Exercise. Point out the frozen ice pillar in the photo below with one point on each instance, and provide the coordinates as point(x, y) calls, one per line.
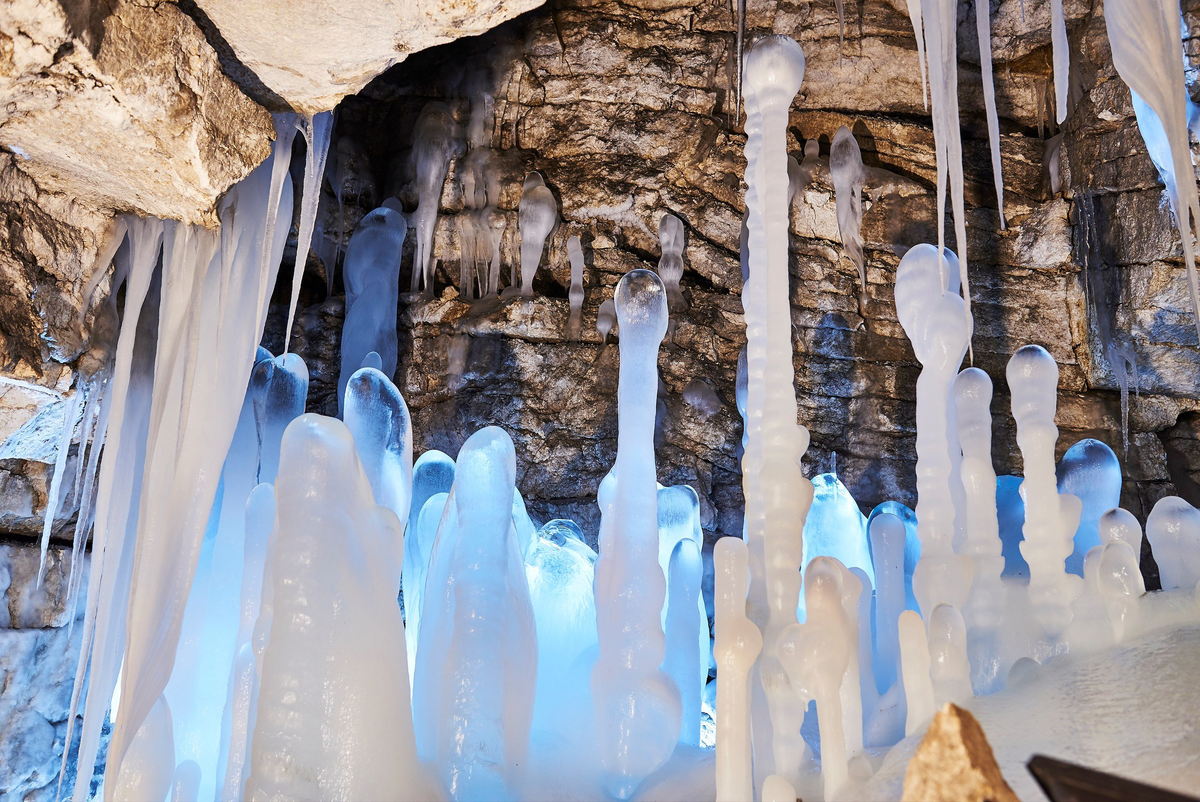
point(378, 418)
point(333, 715)
point(735, 648)
point(1089, 470)
point(1173, 529)
point(638, 712)
point(538, 214)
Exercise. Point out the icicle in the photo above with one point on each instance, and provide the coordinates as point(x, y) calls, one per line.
point(54, 495)
point(1062, 57)
point(846, 166)
point(914, 16)
point(317, 130)
point(983, 26)
point(538, 217)
point(435, 142)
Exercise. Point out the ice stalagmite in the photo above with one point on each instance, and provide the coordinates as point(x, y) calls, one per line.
point(478, 683)
point(280, 390)
point(377, 417)
point(606, 319)
point(1173, 529)
point(317, 131)
point(432, 474)
point(372, 277)
point(736, 646)
point(932, 317)
point(777, 493)
point(835, 527)
point(846, 166)
point(914, 659)
point(575, 254)
point(1091, 472)
point(1049, 534)
point(637, 706)
point(1119, 524)
point(983, 27)
point(333, 716)
point(538, 216)
point(670, 264)
point(949, 670)
point(682, 661)
point(887, 552)
point(1148, 53)
point(151, 759)
point(436, 140)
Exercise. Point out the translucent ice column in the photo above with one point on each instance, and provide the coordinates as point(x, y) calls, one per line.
point(887, 552)
point(1052, 518)
point(670, 263)
point(333, 715)
point(372, 276)
point(682, 661)
point(477, 661)
point(1091, 472)
point(737, 643)
point(1119, 524)
point(1173, 529)
point(432, 474)
point(933, 317)
point(637, 705)
point(538, 214)
point(777, 493)
point(377, 417)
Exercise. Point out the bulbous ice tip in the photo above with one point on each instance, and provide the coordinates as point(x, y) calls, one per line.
point(973, 387)
point(318, 446)
point(1032, 376)
point(534, 179)
point(774, 70)
point(822, 583)
point(1120, 524)
point(641, 301)
point(888, 527)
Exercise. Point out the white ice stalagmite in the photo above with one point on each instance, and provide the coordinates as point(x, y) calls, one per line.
point(949, 669)
point(846, 167)
point(1119, 524)
point(856, 586)
point(1147, 51)
point(606, 319)
point(150, 762)
point(983, 27)
point(914, 660)
point(378, 418)
point(670, 263)
point(817, 655)
point(1091, 472)
point(1049, 534)
point(372, 276)
point(736, 646)
point(887, 553)
point(933, 318)
point(575, 254)
point(333, 716)
point(1121, 586)
point(317, 130)
point(476, 685)
point(436, 140)
point(683, 655)
point(1173, 529)
point(538, 215)
point(432, 475)
point(777, 493)
point(185, 785)
point(637, 706)
point(279, 389)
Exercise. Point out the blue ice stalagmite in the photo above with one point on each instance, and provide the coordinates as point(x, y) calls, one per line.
point(377, 417)
point(477, 660)
point(432, 476)
point(185, 784)
point(912, 543)
point(538, 213)
point(887, 552)
point(683, 658)
point(279, 388)
point(1173, 529)
point(835, 527)
point(637, 706)
point(372, 276)
point(333, 715)
point(1090, 471)
point(436, 140)
point(846, 167)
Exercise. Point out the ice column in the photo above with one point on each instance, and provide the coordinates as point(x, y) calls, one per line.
point(914, 657)
point(538, 214)
point(736, 647)
point(1091, 472)
point(777, 493)
point(377, 417)
point(432, 474)
point(1173, 529)
point(1050, 526)
point(637, 705)
point(887, 552)
point(372, 276)
point(670, 264)
point(846, 166)
point(682, 661)
point(575, 254)
point(933, 318)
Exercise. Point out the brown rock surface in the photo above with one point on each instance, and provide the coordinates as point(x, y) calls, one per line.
point(954, 763)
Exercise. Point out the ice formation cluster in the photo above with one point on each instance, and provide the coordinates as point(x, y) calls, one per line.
point(242, 626)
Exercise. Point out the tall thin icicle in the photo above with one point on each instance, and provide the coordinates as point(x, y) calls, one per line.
point(317, 130)
point(54, 496)
point(1062, 58)
point(914, 16)
point(983, 26)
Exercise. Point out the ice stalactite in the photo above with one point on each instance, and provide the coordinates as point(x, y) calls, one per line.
point(1173, 529)
point(575, 254)
point(151, 760)
point(479, 248)
point(1062, 58)
point(940, 18)
point(736, 647)
point(810, 165)
point(436, 141)
point(432, 474)
point(372, 277)
point(1049, 535)
point(777, 493)
point(538, 216)
point(317, 130)
point(1147, 51)
point(637, 706)
point(606, 320)
point(914, 16)
point(932, 316)
point(472, 719)
point(378, 418)
point(846, 166)
point(1090, 471)
point(983, 27)
point(333, 714)
point(54, 495)
point(670, 263)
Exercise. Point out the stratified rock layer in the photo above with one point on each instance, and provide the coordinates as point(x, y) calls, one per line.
point(954, 763)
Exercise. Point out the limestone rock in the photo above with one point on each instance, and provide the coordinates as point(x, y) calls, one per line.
point(309, 54)
point(954, 763)
point(127, 109)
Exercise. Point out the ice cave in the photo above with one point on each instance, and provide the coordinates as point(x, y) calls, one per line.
point(682, 400)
